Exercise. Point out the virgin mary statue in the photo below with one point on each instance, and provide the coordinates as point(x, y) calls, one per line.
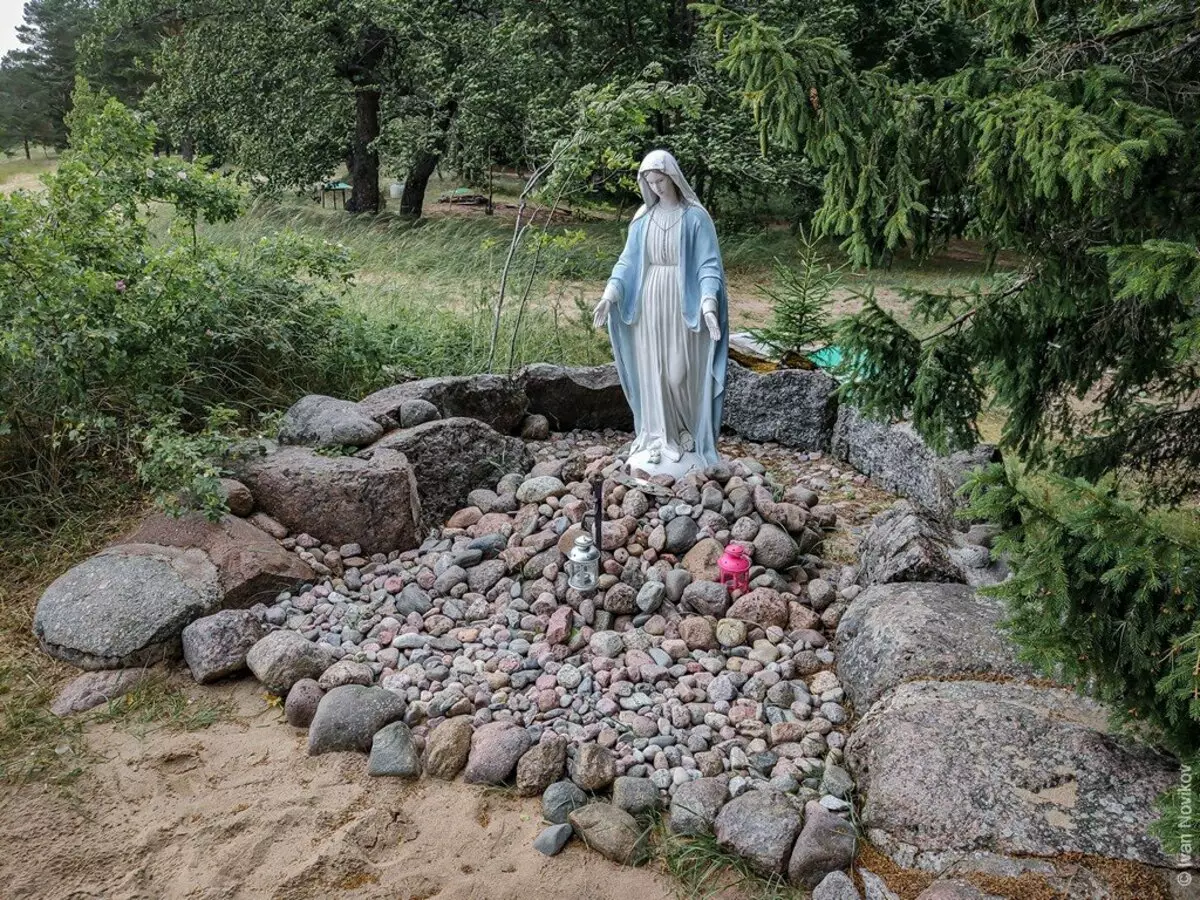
point(667, 314)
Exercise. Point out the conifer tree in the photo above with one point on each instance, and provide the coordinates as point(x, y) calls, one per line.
point(1069, 136)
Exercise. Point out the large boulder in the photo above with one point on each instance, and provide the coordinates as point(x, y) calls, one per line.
point(898, 460)
point(318, 421)
point(695, 804)
point(905, 543)
point(611, 832)
point(896, 632)
point(348, 717)
point(451, 458)
point(826, 844)
point(338, 499)
point(962, 772)
point(795, 407)
point(577, 397)
point(447, 747)
point(761, 827)
point(494, 399)
point(126, 606)
point(216, 646)
point(251, 566)
point(284, 657)
point(495, 750)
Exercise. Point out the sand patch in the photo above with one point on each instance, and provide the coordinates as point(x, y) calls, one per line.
point(240, 810)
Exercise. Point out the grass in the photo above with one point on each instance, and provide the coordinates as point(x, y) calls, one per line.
point(704, 869)
point(18, 172)
point(161, 702)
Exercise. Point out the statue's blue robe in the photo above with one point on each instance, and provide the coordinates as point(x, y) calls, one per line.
point(700, 275)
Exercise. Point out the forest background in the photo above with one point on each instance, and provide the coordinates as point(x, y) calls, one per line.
point(992, 208)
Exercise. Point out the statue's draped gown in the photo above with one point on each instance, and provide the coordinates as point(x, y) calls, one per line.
point(672, 359)
point(671, 370)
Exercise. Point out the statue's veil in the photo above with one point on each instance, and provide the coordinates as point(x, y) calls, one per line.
point(662, 161)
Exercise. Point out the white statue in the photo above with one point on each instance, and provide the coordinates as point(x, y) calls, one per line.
point(667, 314)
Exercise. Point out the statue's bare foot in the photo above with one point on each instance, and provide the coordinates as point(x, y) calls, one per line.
point(654, 458)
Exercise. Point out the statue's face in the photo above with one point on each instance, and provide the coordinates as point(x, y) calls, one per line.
point(662, 185)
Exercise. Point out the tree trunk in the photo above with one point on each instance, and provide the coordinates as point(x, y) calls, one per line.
point(413, 199)
point(364, 162)
point(27, 156)
point(187, 148)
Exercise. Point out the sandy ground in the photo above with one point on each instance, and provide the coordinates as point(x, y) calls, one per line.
point(240, 810)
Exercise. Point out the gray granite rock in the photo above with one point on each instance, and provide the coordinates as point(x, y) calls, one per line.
point(907, 544)
point(896, 632)
point(593, 767)
point(949, 767)
point(898, 460)
point(826, 844)
point(339, 499)
point(836, 886)
point(317, 421)
point(953, 889)
point(874, 887)
point(706, 598)
point(126, 607)
point(450, 458)
point(495, 750)
point(349, 716)
point(282, 658)
point(795, 407)
point(498, 401)
point(346, 671)
point(761, 827)
point(611, 832)
point(695, 805)
point(553, 839)
point(682, 532)
point(774, 548)
point(636, 795)
point(538, 488)
point(560, 799)
point(415, 412)
point(393, 753)
point(216, 646)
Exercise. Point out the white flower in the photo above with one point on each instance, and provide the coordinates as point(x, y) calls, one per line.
point(149, 173)
point(181, 175)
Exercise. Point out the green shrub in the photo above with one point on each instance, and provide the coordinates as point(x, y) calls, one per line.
point(1105, 593)
point(109, 332)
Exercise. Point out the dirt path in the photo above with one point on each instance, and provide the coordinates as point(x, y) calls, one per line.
point(240, 810)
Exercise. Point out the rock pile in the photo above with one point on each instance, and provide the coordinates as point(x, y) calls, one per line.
point(662, 686)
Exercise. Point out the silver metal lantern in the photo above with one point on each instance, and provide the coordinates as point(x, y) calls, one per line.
point(583, 564)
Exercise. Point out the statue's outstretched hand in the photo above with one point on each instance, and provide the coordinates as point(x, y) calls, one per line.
point(714, 327)
point(600, 319)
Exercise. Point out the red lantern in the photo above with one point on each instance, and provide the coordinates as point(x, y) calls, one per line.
point(735, 568)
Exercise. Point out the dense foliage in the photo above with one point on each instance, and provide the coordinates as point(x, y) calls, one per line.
point(1070, 133)
point(111, 334)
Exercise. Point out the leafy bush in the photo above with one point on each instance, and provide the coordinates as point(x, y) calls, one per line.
point(109, 332)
